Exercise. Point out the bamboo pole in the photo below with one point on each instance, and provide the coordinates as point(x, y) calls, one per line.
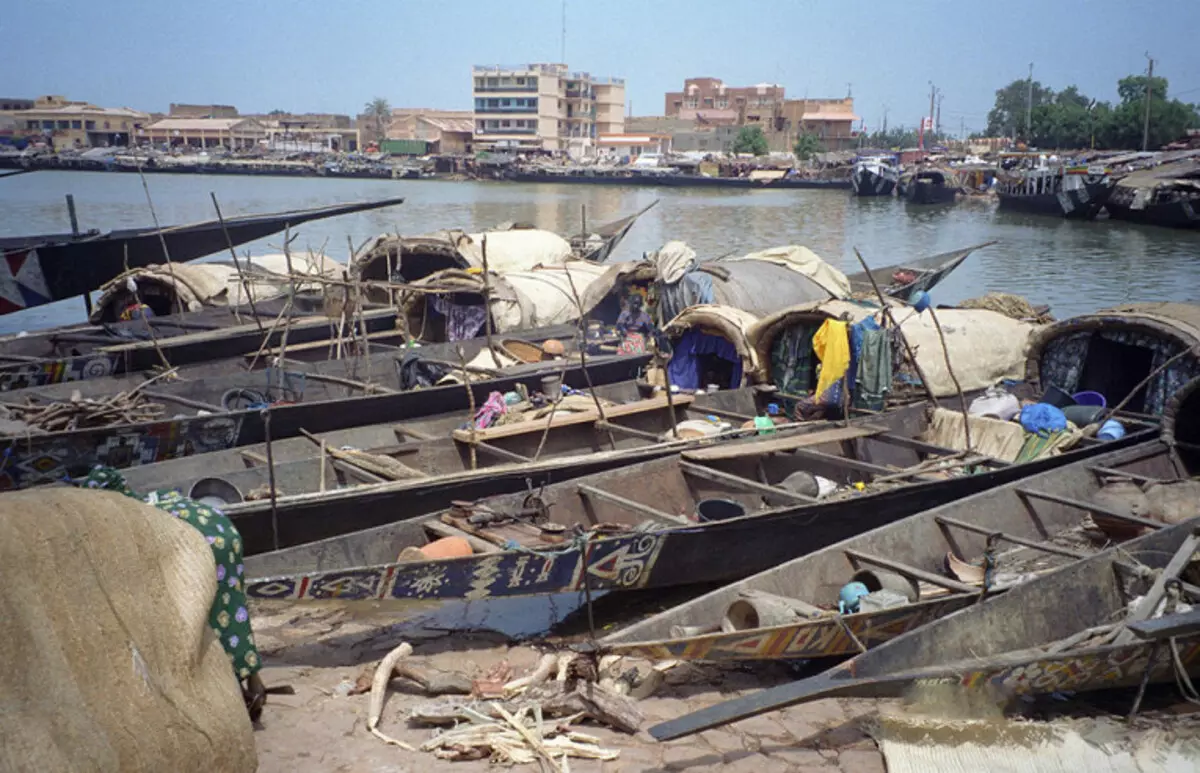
point(236, 263)
point(962, 400)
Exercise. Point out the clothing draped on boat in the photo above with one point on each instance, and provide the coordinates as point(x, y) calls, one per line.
point(685, 366)
point(832, 346)
point(229, 616)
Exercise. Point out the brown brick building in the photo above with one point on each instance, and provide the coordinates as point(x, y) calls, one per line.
point(710, 101)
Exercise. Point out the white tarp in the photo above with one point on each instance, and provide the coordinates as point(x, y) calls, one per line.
point(543, 296)
point(515, 250)
point(804, 261)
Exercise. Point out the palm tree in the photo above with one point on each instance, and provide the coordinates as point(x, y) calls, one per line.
point(380, 111)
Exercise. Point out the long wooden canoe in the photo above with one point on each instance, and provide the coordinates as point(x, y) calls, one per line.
point(1091, 625)
point(1041, 522)
point(633, 504)
point(46, 268)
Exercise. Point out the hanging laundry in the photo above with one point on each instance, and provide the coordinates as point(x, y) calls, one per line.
point(874, 370)
point(832, 346)
point(462, 321)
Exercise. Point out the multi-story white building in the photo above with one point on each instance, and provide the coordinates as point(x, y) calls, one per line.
point(544, 107)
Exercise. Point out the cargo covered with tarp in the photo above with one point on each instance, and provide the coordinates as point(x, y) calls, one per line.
point(817, 350)
point(110, 663)
point(709, 346)
point(759, 283)
point(409, 258)
point(449, 305)
point(1145, 352)
point(160, 289)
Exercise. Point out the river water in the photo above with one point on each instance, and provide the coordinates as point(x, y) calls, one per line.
point(1075, 267)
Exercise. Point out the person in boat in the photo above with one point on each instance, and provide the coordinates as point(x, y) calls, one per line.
point(634, 325)
point(229, 616)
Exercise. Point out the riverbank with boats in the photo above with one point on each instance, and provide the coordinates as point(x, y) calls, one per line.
point(649, 466)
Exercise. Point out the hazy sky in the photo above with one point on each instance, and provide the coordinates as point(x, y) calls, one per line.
point(333, 56)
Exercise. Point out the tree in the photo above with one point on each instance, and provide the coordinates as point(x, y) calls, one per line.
point(277, 112)
point(807, 145)
point(1007, 116)
point(379, 112)
point(895, 138)
point(750, 139)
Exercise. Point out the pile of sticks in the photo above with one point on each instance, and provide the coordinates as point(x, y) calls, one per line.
point(84, 413)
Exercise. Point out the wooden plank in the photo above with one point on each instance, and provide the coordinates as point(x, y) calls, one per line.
point(788, 443)
point(375, 338)
point(856, 465)
point(737, 481)
point(621, 429)
point(653, 513)
point(446, 530)
point(1087, 506)
point(566, 419)
point(913, 444)
point(910, 571)
point(1102, 471)
point(503, 453)
point(1181, 624)
point(1045, 547)
point(1145, 608)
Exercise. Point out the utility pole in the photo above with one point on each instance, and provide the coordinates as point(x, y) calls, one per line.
point(938, 124)
point(1029, 109)
point(921, 133)
point(885, 112)
point(1149, 83)
point(962, 132)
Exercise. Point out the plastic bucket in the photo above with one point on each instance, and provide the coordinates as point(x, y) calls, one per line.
point(1090, 398)
point(1082, 415)
point(718, 510)
point(215, 492)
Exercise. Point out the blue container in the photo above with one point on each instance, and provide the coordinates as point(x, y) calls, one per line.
point(1090, 398)
point(718, 510)
point(1111, 430)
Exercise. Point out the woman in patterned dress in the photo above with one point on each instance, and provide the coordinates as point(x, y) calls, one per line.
point(229, 617)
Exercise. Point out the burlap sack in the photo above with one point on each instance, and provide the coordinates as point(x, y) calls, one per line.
point(107, 662)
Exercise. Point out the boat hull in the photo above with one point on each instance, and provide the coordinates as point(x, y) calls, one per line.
point(1175, 214)
point(921, 193)
point(867, 182)
point(1084, 203)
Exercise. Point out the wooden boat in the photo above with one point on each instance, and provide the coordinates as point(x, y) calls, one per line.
point(1166, 195)
point(46, 268)
point(1039, 523)
point(412, 258)
point(1181, 426)
point(1084, 627)
point(874, 176)
point(929, 186)
point(47, 457)
point(633, 503)
point(903, 279)
point(1076, 193)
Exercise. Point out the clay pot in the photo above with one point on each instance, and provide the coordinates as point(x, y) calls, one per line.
point(1122, 496)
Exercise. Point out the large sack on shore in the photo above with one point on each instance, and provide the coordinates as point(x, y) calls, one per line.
point(108, 662)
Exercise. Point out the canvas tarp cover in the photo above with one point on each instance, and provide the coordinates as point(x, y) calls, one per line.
point(513, 249)
point(109, 662)
point(726, 322)
point(984, 347)
point(803, 261)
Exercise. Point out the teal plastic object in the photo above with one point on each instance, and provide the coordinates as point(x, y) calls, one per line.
point(849, 595)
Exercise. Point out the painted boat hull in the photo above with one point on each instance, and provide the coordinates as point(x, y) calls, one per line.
point(1080, 204)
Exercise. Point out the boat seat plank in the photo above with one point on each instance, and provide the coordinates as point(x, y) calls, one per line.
point(569, 419)
point(621, 429)
point(1149, 603)
point(439, 529)
point(1032, 544)
point(737, 481)
point(503, 453)
point(788, 443)
point(910, 571)
point(1181, 624)
point(1087, 507)
point(653, 513)
point(1102, 471)
point(521, 533)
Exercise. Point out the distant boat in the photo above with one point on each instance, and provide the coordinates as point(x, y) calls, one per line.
point(929, 186)
point(52, 267)
point(874, 176)
point(1166, 195)
point(1076, 193)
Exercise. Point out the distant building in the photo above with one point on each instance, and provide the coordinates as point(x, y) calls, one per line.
point(831, 120)
point(308, 131)
point(202, 111)
point(710, 101)
point(9, 104)
point(205, 132)
point(544, 107)
point(633, 145)
point(66, 124)
point(442, 131)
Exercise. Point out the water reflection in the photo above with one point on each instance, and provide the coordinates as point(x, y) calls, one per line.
point(1074, 267)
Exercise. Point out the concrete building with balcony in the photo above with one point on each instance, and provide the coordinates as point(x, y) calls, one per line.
point(709, 101)
point(544, 108)
point(66, 124)
point(442, 131)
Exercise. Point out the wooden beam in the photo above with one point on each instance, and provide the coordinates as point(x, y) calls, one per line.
point(1086, 506)
point(621, 429)
point(503, 453)
point(737, 481)
point(856, 465)
point(1102, 471)
point(786, 443)
point(1047, 548)
point(1149, 603)
point(403, 431)
point(566, 419)
point(357, 472)
point(1181, 624)
point(913, 444)
point(857, 557)
point(653, 513)
point(440, 529)
point(185, 401)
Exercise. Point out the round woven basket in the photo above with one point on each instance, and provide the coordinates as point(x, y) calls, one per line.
point(522, 350)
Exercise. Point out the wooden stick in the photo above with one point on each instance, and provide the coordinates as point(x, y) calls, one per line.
point(550, 418)
point(187, 401)
point(265, 413)
point(462, 358)
point(582, 336)
point(1141, 384)
point(487, 303)
point(161, 239)
point(962, 400)
point(236, 263)
point(887, 312)
point(324, 461)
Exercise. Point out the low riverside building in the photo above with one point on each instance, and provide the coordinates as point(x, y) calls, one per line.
point(204, 132)
point(631, 146)
point(830, 120)
point(544, 108)
point(66, 124)
point(442, 131)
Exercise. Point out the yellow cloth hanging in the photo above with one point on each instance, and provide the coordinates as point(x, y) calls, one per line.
point(832, 346)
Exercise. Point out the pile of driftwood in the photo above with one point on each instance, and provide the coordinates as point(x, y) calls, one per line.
point(32, 417)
